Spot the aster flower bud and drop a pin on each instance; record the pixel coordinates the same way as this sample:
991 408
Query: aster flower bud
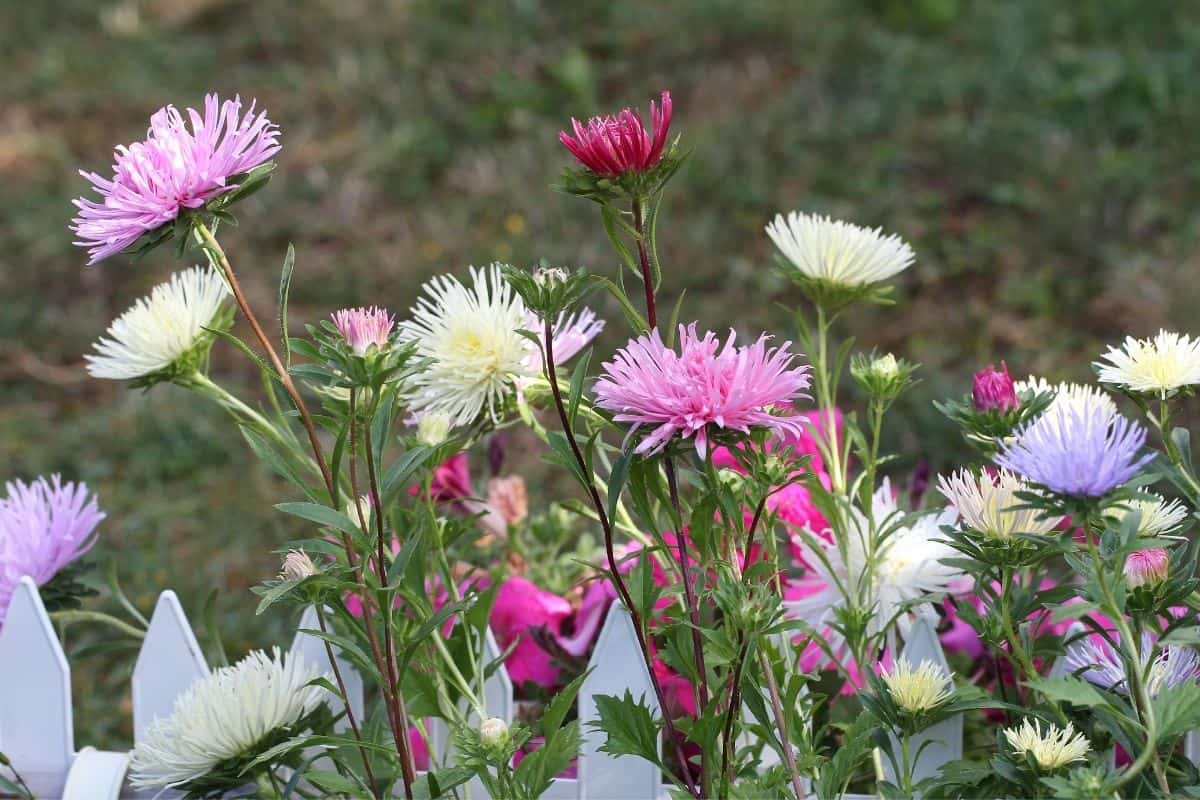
493 732
1146 568
882 377
297 566
993 390
433 428
364 328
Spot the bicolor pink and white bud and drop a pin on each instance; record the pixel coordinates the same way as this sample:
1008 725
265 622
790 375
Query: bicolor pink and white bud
364 327
1146 567
507 496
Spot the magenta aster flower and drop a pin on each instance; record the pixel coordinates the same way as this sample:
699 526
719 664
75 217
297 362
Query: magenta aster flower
363 327
177 167
993 390
44 526
616 145
705 384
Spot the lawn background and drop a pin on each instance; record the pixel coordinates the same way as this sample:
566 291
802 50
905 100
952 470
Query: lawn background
1040 157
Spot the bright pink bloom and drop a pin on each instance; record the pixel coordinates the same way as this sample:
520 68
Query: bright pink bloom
730 387
993 390
364 327
44 525
173 169
1146 567
520 609
616 145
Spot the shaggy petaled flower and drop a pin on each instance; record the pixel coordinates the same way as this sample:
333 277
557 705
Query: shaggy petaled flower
837 252
1094 660
1080 396
1156 517
160 328
44 525
917 689
989 504
363 328
175 168
1160 366
475 356
993 389
226 715
297 565
706 383
1075 452
469 335
908 566
1051 748
615 145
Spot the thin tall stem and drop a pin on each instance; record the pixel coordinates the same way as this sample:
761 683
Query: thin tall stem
644 260
341 684
789 758
610 553
689 594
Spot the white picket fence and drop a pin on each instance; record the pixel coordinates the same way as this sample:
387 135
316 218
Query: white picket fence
36 722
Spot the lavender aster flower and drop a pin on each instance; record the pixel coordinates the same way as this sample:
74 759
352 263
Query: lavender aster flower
174 169
44 525
1077 451
1094 660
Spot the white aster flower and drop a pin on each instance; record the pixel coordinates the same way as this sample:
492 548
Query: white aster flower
225 715
159 329
1082 398
469 336
1052 748
837 252
988 504
917 689
907 568
1158 516
1161 366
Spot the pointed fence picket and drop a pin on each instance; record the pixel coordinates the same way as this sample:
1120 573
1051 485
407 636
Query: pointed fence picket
36 724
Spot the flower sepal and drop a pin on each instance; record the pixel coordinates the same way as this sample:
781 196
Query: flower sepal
631 185
549 291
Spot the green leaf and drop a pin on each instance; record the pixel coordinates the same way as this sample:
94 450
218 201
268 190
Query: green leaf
402 469
558 708
616 481
245 348
380 426
322 515
635 319
629 727
1178 710
285 285
1069 690
276 460
577 379
332 782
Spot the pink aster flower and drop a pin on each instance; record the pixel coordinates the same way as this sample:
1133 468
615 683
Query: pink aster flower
705 384
44 525
993 390
363 327
177 167
620 144
521 607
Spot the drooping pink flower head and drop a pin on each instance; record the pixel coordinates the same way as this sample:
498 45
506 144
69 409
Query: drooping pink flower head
620 144
44 525
177 167
1146 567
363 327
706 383
993 390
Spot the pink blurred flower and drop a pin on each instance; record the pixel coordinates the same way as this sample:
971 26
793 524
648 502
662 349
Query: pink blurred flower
175 168
705 384
364 327
572 333
520 608
44 525
1146 567
507 497
620 144
993 390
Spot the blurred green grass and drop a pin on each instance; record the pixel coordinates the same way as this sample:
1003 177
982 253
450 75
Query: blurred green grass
1040 157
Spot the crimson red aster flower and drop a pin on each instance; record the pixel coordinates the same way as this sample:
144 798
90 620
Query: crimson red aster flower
620 144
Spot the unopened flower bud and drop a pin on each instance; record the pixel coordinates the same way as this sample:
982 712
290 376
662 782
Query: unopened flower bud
993 390
364 328
297 566
1146 568
493 732
362 514
547 277
507 497
433 428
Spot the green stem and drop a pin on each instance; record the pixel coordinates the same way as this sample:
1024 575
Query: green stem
83 615
1163 423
